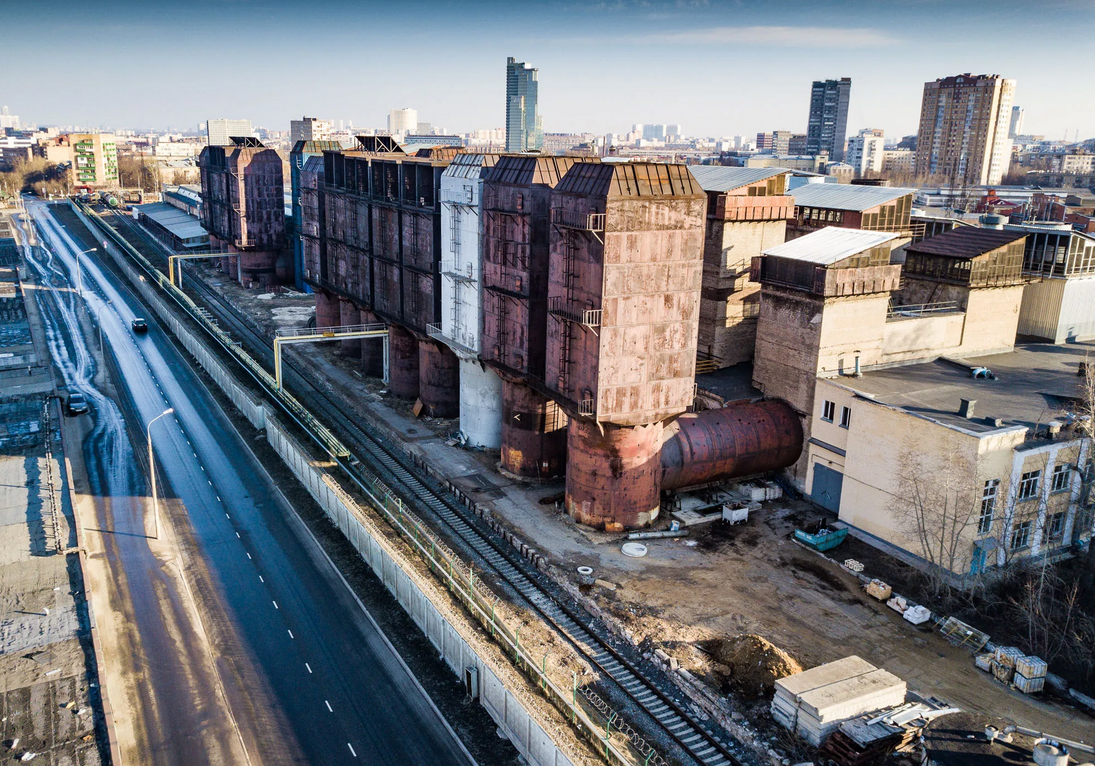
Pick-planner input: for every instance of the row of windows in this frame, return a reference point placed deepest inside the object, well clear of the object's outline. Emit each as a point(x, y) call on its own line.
point(1029, 485)
point(828, 413)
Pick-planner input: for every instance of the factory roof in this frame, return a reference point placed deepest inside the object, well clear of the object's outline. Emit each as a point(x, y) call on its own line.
point(846, 197)
point(313, 164)
point(633, 179)
point(1033, 384)
point(470, 165)
point(965, 242)
point(720, 178)
point(524, 169)
point(316, 147)
point(179, 223)
point(829, 245)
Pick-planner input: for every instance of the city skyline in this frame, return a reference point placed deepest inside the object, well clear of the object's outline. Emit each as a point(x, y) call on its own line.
point(596, 71)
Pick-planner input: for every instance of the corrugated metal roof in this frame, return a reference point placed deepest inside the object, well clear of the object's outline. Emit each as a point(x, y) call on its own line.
point(524, 170)
point(470, 165)
point(829, 245)
point(719, 178)
point(633, 179)
point(845, 196)
point(965, 242)
point(177, 222)
point(316, 147)
point(313, 164)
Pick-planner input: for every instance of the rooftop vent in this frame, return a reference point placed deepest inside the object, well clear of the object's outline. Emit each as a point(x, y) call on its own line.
point(1053, 428)
point(994, 422)
point(965, 407)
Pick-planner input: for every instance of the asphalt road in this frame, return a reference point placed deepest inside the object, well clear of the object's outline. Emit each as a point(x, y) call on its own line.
point(307, 676)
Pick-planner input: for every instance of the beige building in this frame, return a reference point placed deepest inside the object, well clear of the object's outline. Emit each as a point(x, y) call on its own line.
point(309, 129)
point(964, 125)
point(94, 159)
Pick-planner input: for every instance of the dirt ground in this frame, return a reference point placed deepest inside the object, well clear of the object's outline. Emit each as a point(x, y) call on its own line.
point(720, 582)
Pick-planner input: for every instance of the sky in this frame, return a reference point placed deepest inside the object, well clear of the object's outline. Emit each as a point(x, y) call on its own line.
point(717, 67)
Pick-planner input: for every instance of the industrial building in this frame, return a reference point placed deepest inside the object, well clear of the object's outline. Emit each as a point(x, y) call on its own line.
point(303, 149)
point(243, 209)
point(870, 208)
point(964, 125)
point(175, 228)
point(1059, 303)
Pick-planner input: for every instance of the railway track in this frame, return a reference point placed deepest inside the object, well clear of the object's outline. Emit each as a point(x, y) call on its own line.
point(421, 493)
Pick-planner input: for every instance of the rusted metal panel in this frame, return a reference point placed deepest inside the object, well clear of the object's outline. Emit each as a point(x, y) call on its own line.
point(349, 315)
point(327, 310)
point(739, 440)
point(372, 349)
point(403, 375)
point(613, 477)
point(439, 379)
point(534, 433)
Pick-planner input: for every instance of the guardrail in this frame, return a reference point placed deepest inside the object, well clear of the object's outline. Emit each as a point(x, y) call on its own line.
point(914, 310)
point(614, 739)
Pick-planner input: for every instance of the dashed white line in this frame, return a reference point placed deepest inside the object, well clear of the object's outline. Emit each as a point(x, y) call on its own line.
point(276, 605)
point(226, 515)
point(290, 633)
point(308, 666)
point(238, 535)
point(248, 555)
point(329, 708)
point(352, 751)
point(260, 579)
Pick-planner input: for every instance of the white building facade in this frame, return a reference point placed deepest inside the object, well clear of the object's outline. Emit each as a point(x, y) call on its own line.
point(866, 151)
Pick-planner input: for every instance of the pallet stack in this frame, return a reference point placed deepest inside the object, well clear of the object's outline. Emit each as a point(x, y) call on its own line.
point(815, 702)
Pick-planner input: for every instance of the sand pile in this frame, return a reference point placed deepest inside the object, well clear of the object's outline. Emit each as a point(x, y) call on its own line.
point(750, 665)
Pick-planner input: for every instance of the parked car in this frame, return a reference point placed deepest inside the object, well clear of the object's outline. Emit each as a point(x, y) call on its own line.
point(76, 404)
point(139, 326)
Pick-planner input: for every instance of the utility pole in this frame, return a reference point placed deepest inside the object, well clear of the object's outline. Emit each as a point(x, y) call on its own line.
point(152, 471)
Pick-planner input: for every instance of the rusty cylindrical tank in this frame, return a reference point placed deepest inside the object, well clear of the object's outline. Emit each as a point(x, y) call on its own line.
point(402, 362)
point(258, 268)
point(326, 310)
point(613, 478)
point(739, 440)
point(438, 379)
point(372, 349)
point(534, 433)
point(348, 315)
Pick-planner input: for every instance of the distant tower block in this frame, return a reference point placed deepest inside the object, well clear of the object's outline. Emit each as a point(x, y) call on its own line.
point(439, 379)
point(623, 299)
point(403, 363)
point(534, 433)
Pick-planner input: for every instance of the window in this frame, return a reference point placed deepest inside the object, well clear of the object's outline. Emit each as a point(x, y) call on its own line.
point(1060, 477)
point(1055, 525)
point(988, 506)
point(845, 417)
point(1028, 485)
point(1020, 536)
point(828, 410)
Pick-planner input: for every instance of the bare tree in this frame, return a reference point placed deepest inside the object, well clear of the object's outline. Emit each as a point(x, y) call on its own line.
point(937, 505)
point(1085, 424)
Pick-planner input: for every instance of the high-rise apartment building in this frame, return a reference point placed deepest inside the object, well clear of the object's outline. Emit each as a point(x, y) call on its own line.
point(402, 121)
point(776, 142)
point(221, 132)
point(964, 125)
point(1016, 128)
point(866, 151)
point(524, 131)
point(309, 129)
point(828, 124)
point(94, 159)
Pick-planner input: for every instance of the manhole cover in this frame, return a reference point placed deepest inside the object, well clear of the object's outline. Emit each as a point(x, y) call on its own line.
point(634, 550)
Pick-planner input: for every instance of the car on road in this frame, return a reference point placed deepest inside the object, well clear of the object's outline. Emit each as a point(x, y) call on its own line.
point(139, 326)
point(76, 404)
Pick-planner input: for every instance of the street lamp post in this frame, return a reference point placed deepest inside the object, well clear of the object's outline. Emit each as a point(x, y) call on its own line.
point(80, 271)
point(99, 321)
point(152, 471)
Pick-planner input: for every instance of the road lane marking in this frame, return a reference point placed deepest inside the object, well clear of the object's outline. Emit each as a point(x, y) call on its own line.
point(329, 708)
point(290, 633)
point(226, 515)
point(352, 751)
point(260, 579)
point(308, 666)
point(238, 535)
point(248, 554)
point(276, 605)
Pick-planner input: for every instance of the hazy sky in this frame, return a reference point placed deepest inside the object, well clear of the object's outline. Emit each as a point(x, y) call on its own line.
point(718, 67)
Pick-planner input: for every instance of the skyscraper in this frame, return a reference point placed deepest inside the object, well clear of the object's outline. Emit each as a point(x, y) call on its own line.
point(1016, 128)
point(964, 124)
point(523, 129)
point(828, 125)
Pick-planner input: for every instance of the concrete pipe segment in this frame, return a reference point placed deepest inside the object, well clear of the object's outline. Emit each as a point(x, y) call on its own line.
point(402, 363)
point(438, 379)
point(534, 433)
point(372, 350)
point(614, 477)
point(739, 440)
point(258, 268)
point(480, 405)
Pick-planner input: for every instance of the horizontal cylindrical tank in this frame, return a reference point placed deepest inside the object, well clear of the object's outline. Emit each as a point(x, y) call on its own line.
point(438, 379)
point(327, 313)
point(534, 433)
point(403, 362)
point(613, 476)
point(348, 315)
point(480, 404)
point(372, 349)
point(739, 440)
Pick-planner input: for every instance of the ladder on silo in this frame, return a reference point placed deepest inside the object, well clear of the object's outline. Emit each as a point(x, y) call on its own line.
point(569, 279)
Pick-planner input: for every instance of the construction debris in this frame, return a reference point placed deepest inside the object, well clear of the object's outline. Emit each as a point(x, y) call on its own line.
point(750, 665)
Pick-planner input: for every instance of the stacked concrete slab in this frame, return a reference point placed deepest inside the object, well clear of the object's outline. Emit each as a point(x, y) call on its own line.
point(815, 702)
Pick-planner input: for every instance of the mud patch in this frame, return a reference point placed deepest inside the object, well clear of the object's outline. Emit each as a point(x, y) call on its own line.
point(749, 665)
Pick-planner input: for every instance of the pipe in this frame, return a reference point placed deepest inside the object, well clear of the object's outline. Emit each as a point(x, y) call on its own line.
point(739, 440)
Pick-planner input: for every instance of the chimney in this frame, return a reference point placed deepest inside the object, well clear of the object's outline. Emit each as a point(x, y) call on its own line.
point(965, 407)
point(1053, 428)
